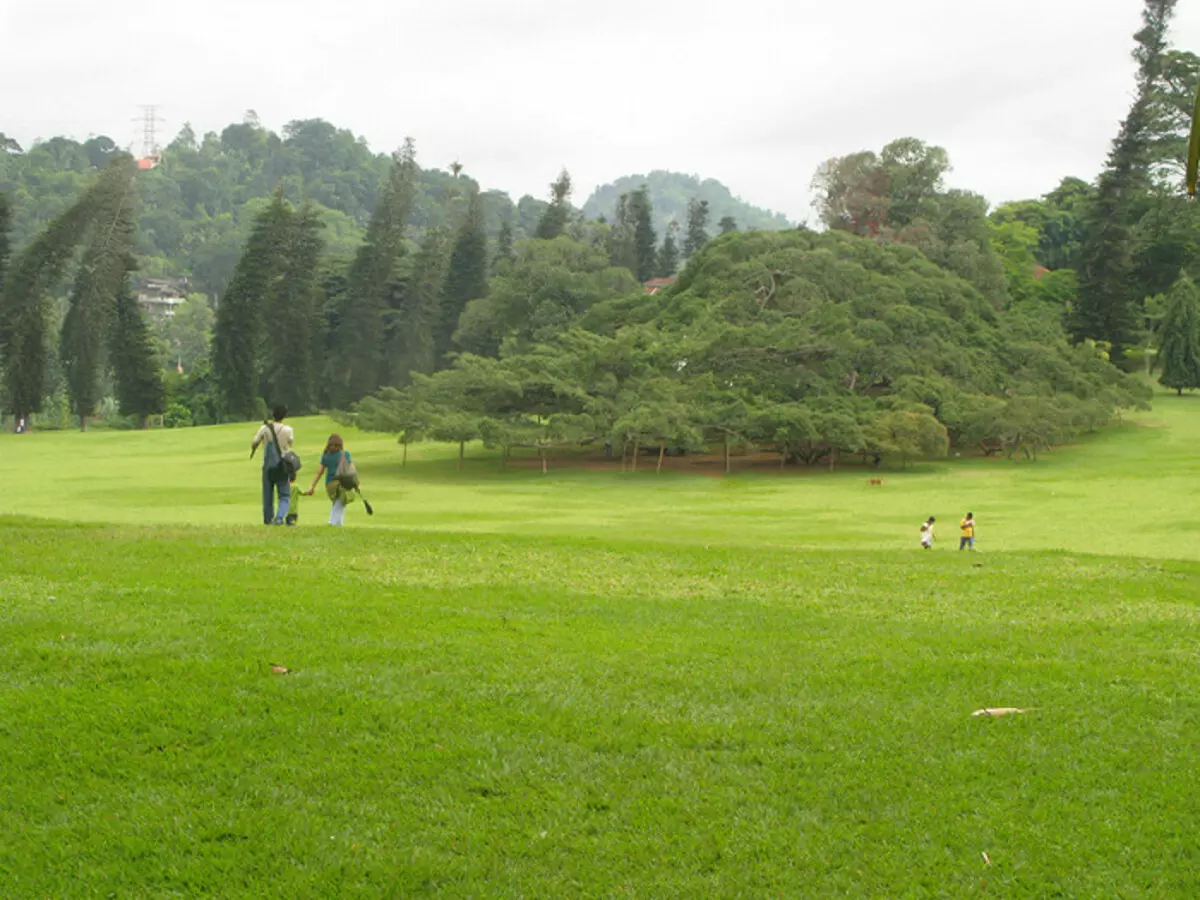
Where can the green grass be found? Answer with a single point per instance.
(596, 685)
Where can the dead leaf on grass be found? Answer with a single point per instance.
(998, 711)
(280, 670)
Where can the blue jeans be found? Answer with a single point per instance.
(272, 481)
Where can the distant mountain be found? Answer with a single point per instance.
(670, 193)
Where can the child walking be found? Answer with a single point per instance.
(967, 526)
(340, 479)
(927, 533)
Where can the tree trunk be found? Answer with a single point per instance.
(404, 456)
(83, 423)
(624, 453)
(461, 445)
(143, 422)
(636, 446)
(782, 459)
(832, 458)
(726, 454)
(662, 449)
(542, 451)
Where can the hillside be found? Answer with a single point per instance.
(670, 192)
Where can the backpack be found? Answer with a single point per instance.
(285, 465)
(346, 475)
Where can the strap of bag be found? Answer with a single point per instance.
(275, 438)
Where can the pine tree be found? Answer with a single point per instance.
(416, 311)
(466, 278)
(106, 265)
(240, 338)
(141, 391)
(622, 252)
(4, 245)
(504, 243)
(291, 315)
(554, 219)
(697, 228)
(24, 316)
(727, 225)
(668, 254)
(645, 241)
(1179, 344)
(1108, 297)
(357, 360)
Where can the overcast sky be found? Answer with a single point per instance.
(755, 93)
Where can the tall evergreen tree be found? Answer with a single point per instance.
(4, 245)
(24, 316)
(415, 313)
(141, 390)
(728, 225)
(697, 228)
(1179, 344)
(107, 263)
(504, 243)
(356, 363)
(668, 254)
(622, 252)
(1108, 297)
(466, 278)
(645, 241)
(292, 315)
(240, 338)
(554, 219)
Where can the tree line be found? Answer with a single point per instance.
(434, 280)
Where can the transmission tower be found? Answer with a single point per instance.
(150, 121)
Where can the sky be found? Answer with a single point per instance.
(754, 93)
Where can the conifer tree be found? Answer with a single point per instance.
(697, 228)
(645, 241)
(137, 372)
(416, 311)
(668, 254)
(1108, 297)
(291, 315)
(466, 278)
(727, 225)
(1179, 344)
(554, 219)
(241, 334)
(622, 252)
(106, 265)
(504, 243)
(24, 317)
(4, 245)
(355, 366)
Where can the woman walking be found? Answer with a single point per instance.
(340, 479)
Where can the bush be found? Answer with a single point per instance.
(177, 416)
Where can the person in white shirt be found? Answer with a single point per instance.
(927, 533)
(274, 473)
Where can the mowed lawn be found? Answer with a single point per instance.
(592, 684)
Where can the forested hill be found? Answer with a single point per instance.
(198, 204)
(671, 192)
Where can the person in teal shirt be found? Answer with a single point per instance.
(331, 463)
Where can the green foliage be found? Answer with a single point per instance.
(898, 196)
(668, 254)
(188, 334)
(243, 328)
(696, 235)
(727, 225)
(140, 388)
(540, 294)
(1179, 344)
(1193, 151)
(645, 241)
(355, 365)
(554, 221)
(1108, 303)
(671, 195)
(415, 314)
(467, 274)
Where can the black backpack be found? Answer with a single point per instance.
(289, 463)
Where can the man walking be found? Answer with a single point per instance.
(275, 476)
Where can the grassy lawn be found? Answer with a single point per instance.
(592, 684)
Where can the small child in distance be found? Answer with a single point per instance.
(927, 533)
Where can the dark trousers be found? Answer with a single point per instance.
(272, 481)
